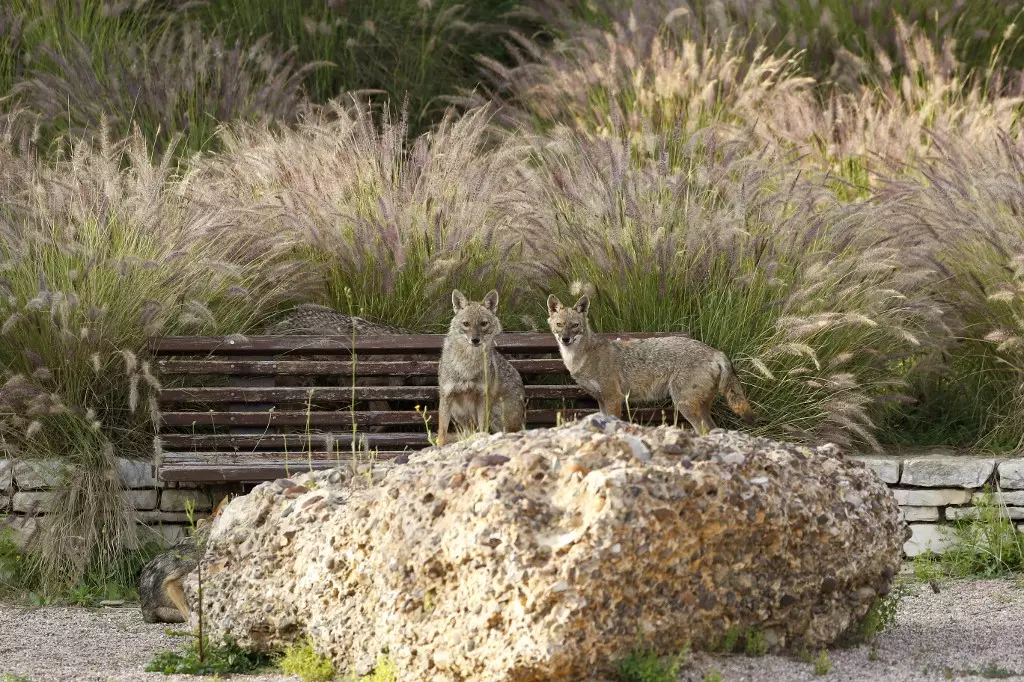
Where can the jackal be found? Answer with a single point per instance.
(645, 370)
(161, 593)
(478, 387)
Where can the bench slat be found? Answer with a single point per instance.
(296, 443)
(330, 394)
(220, 467)
(401, 368)
(343, 345)
(342, 419)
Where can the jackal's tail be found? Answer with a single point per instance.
(729, 385)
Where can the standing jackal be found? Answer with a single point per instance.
(645, 370)
(477, 385)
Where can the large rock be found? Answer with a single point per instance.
(546, 555)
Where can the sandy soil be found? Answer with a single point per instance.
(971, 629)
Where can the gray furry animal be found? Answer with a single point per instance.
(645, 370)
(310, 319)
(478, 386)
(313, 319)
(161, 585)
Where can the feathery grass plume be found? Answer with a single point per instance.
(351, 202)
(97, 226)
(839, 43)
(745, 256)
(174, 82)
(647, 80)
(969, 204)
(387, 52)
(659, 74)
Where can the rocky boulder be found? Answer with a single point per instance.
(549, 554)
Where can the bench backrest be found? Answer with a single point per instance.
(225, 415)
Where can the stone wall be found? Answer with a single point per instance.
(27, 489)
(933, 487)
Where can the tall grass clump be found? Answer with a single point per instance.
(653, 73)
(361, 207)
(817, 304)
(836, 42)
(643, 79)
(181, 83)
(970, 206)
(389, 51)
(98, 251)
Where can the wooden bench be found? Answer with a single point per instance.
(223, 417)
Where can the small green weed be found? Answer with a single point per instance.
(222, 659)
(646, 666)
(994, 672)
(731, 640)
(384, 671)
(302, 660)
(987, 544)
(755, 643)
(713, 675)
(881, 617)
(927, 567)
(750, 641)
(15, 677)
(822, 664)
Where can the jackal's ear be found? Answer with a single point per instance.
(554, 305)
(458, 300)
(583, 305)
(491, 300)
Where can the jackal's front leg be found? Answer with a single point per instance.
(610, 402)
(443, 418)
(482, 416)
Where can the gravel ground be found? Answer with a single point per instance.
(970, 629)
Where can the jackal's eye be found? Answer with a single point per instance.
(465, 325)
(484, 324)
(575, 325)
(558, 325)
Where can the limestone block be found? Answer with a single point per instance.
(930, 498)
(6, 475)
(1011, 474)
(911, 514)
(925, 536)
(174, 500)
(1012, 498)
(39, 501)
(563, 537)
(135, 473)
(947, 471)
(887, 468)
(141, 499)
(40, 474)
(954, 513)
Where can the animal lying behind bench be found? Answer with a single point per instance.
(310, 319)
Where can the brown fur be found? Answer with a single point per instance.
(465, 391)
(689, 372)
(161, 585)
